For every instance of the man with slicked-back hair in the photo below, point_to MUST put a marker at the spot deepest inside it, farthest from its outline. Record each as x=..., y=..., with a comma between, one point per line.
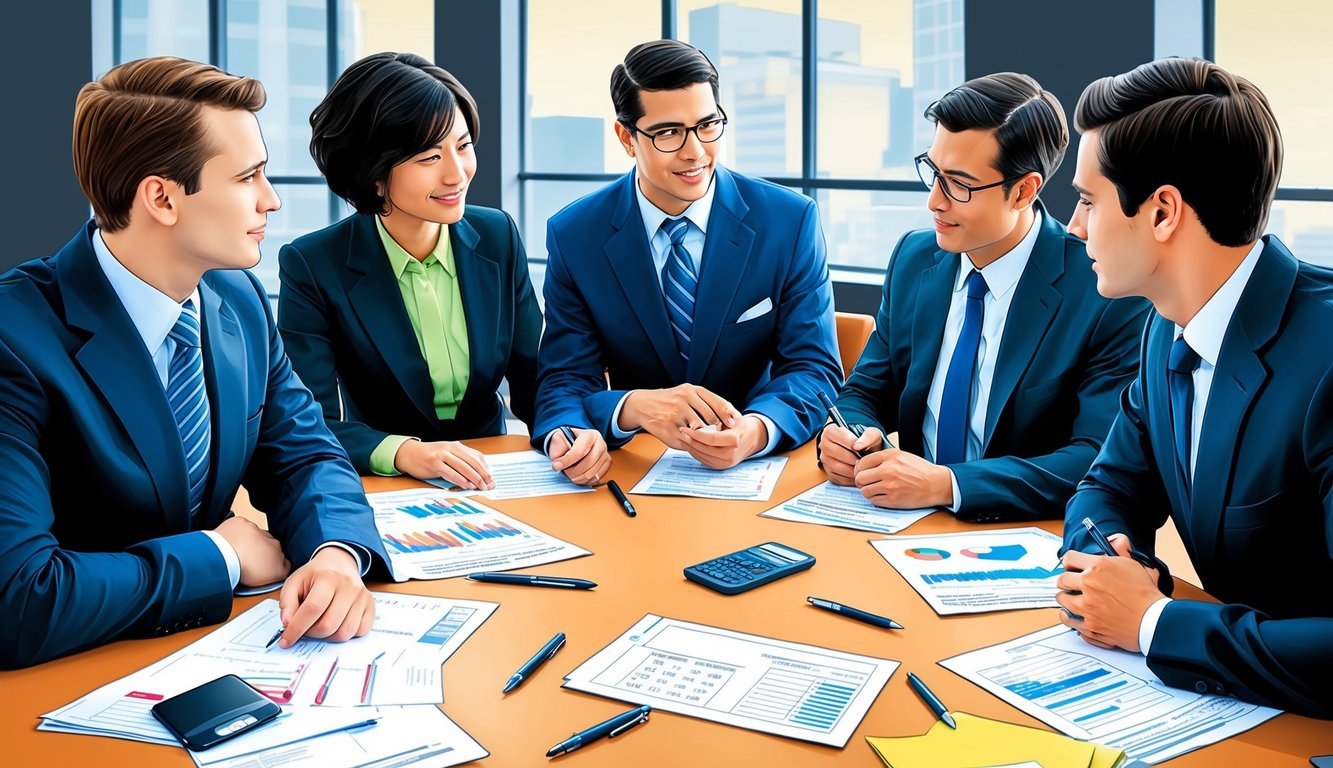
x=142, y=381
x=1227, y=429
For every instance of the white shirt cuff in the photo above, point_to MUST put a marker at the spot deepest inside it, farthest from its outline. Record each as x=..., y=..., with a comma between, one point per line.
x=773, y=434
x=616, y=431
x=228, y=555
x=357, y=552
x=957, y=494
x=1148, y=626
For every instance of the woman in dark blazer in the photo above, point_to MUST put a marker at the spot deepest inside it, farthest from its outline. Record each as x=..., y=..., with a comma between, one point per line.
x=404, y=317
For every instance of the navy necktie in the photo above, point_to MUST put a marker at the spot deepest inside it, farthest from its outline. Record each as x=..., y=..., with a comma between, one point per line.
x=679, y=282
x=188, y=398
x=956, y=402
x=1180, y=381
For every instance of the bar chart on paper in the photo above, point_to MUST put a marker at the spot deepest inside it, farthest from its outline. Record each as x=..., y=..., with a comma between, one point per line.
x=429, y=534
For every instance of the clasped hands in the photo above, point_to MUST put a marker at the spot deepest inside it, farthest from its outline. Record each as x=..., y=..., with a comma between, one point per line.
x=693, y=419
x=891, y=478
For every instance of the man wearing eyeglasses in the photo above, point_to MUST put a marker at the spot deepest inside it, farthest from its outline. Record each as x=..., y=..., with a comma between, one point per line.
x=684, y=300
x=993, y=356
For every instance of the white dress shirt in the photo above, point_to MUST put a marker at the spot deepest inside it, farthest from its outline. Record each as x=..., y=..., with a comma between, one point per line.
x=1002, y=276
x=1204, y=333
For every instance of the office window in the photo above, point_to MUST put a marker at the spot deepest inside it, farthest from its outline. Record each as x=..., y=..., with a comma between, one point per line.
x=878, y=66
x=1266, y=44
x=161, y=28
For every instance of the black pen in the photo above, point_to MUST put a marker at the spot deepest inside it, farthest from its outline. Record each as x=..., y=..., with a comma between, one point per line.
x=538, y=659
x=569, y=435
x=609, y=728
x=275, y=637
x=1108, y=550
x=621, y=497
x=931, y=700
x=855, y=613
x=530, y=580
x=855, y=429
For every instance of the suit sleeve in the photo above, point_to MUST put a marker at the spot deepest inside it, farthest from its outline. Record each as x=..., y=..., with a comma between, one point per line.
x=805, y=356
x=522, y=369
x=1039, y=487
x=308, y=334
x=299, y=475
x=873, y=384
x=57, y=601
x=1235, y=650
x=570, y=363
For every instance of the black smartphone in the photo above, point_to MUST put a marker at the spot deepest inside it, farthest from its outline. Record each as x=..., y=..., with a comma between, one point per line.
x=210, y=714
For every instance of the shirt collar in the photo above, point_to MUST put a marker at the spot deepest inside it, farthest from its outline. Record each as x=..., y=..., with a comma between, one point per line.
x=1002, y=275
x=153, y=312
x=697, y=213
x=1206, y=330
x=400, y=258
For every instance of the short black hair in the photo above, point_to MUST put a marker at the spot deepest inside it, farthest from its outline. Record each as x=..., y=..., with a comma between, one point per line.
x=383, y=110
x=1191, y=124
x=1028, y=121
x=660, y=65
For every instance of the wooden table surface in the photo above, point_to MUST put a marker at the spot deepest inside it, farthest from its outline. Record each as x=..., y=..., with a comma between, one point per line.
x=637, y=563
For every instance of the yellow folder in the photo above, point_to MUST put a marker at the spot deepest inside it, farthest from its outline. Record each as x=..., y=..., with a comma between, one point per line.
x=980, y=742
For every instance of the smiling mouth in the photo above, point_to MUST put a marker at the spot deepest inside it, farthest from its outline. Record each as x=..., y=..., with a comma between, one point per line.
x=692, y=172
x=452, y=197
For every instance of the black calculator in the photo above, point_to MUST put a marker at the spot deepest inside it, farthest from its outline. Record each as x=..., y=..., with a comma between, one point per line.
x=749, y=568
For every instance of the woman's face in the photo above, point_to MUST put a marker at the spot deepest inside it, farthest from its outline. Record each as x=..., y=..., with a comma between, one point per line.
x=432, y=185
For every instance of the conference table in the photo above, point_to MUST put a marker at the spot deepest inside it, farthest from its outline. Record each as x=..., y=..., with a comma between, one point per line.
x=637, y=563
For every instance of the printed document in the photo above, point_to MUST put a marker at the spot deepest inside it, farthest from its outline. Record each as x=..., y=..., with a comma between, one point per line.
x=519, y=475
x=844, y=507
x=678, y=473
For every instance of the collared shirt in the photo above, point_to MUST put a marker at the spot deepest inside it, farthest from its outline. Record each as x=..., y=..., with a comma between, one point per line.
x=1002, y=276
x=1204, y=333
x=450, y=368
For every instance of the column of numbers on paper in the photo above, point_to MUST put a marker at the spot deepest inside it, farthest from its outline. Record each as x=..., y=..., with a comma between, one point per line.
x=680, y=678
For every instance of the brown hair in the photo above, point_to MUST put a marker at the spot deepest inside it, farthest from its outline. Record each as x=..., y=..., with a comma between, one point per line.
x=145, y=118
x=1192, y=124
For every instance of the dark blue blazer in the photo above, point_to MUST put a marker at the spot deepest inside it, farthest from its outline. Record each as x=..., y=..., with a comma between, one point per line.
x=606, y=316
x=1065, y=355
x=347, y=332
x=1258, y=522
x=96, y=540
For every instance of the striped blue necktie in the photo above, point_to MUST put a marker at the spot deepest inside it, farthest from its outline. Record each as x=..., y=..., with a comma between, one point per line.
x=188, y=398
x=679, y=281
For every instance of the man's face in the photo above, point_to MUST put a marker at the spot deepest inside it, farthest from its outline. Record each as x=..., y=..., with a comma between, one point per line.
x=432, y=186
x=673, y=180
x=1121, y=247
x=967, y=159
x=221, y=225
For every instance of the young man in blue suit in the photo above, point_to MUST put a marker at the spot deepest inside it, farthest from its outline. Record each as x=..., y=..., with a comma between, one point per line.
x=1228, y=427
x=702, y=296
x=993, y=356
x=142, y=382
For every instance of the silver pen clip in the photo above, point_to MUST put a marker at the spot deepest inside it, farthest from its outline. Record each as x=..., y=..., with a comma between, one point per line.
x=639, y=721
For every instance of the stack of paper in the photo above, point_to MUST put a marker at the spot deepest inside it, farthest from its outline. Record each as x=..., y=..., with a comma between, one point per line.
x=982, y=742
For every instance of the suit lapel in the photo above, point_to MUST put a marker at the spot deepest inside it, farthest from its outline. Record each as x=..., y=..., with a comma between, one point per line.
x=934, y=291
x=1035, y=303
x=224, y=367
x=1239, y=376
x=378, y=304
x=121, y=369
x=726, y=258
x=479, y=287
x=631, y=261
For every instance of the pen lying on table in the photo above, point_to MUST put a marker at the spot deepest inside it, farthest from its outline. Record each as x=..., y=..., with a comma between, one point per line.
x=530, y=580
x=855, y=613
x=613, y=727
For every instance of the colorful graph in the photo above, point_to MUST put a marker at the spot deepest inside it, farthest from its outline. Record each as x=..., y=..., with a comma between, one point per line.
x=1002, y=552
x=926, y=553
x=439, y=508
x=460, y=534
x=1010, y=573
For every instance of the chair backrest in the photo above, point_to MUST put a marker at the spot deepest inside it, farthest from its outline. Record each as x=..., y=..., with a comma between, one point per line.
x=853, y=332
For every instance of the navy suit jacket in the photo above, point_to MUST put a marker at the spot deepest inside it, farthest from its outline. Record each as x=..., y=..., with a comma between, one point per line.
x=1258, y=520
x=96, y=540
x=606, y=317
x=1065, y=355
x=347, y=332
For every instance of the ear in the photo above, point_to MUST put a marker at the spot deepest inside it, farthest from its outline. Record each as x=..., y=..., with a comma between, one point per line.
x=1024, y=192
x=156, y=196
x=626, y=138
x=1165, y=211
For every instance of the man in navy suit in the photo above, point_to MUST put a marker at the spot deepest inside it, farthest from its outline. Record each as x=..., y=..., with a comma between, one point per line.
x=142, y=382
x=1228, y=427
x=699, y=295
x=993, y=356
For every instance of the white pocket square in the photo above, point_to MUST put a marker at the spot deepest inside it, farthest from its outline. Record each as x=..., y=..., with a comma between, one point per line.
x=758, y=310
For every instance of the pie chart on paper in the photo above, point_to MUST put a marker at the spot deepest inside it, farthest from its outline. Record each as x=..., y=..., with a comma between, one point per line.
x=1002, y=552
x=926, y=553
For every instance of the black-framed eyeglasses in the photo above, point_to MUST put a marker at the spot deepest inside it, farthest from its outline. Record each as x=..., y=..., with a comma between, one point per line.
x=954, y=189
x=672, y=139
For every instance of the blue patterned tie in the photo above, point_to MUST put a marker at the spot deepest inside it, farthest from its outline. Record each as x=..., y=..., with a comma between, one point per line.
x=955, y=404
x=679, y=282
x=188, y=398
x=1180, y=381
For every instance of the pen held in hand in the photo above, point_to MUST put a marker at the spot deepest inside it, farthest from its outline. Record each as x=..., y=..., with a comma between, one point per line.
x=836, y=415
x=274, y=639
